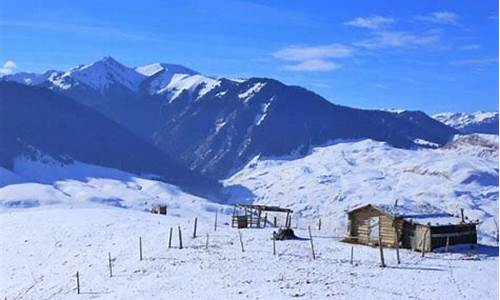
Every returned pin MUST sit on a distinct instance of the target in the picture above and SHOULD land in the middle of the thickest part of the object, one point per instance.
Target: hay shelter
(373, 225)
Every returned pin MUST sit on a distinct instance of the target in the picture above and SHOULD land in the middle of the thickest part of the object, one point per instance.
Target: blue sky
(427, 55)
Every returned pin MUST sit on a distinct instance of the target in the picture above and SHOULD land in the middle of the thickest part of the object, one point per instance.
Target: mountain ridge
(219, 124)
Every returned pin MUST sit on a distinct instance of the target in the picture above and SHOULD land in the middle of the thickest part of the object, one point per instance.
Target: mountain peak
(155, 68)
(105, 72)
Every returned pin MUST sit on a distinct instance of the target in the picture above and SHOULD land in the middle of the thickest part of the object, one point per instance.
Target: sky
(432, 56)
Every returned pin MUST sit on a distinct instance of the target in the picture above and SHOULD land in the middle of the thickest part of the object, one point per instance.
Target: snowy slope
(478, 122)
(50, 183)
(335, 178)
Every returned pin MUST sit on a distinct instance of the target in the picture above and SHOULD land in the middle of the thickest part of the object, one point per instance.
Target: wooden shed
(252, 215)
(372, 225)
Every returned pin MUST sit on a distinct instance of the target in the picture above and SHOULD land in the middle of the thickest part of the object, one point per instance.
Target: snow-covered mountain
(337, 177)
(478, 122)
(219, 124)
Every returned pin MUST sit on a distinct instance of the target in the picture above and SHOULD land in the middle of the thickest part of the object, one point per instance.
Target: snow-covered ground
(58, 219)
(44, 248)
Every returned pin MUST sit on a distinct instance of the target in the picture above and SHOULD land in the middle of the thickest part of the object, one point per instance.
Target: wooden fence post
(352, 255)
(265, 220)
(311, 240)
(319, 224)
(215, 222)
(206, 244)
(447, 242)
(170, 238)
(77, 282)
(194, 230)
(381, 248)
(140, 248)
(180, 237)
(110, 265)
(241, 241)
(275, 222)
(397, 245)
(274, 246)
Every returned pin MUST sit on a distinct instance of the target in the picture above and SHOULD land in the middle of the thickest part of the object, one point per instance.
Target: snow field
(45, 247)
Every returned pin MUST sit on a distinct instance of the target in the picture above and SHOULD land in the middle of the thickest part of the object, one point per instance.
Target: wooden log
(381, 248)
(110, 265)
(352, 255)
(140, 248)
(312, 244)
(78, 283)
(241, 241)
(180, 237)
(194, 229)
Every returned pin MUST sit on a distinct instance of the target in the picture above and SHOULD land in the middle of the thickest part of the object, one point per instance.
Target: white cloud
(318, 65)
(382, 39)
(315, 58)
(374, 22)
(298, 53)
(440, 17)
(476, 61)
(8, 68)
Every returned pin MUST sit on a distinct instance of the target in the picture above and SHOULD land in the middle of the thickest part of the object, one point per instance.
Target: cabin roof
(433, 216)
(264, 207)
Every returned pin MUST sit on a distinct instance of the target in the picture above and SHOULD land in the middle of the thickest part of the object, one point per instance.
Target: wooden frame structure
(251, 216)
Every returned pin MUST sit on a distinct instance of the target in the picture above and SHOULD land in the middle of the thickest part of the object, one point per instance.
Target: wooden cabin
(159, 209)
(372, 225)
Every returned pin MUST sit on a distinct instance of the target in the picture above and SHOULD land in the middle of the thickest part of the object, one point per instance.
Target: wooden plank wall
(360, 223)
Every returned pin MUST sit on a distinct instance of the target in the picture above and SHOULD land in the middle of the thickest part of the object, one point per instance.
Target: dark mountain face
(223, 130)
(34, 117)
(215, 126)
